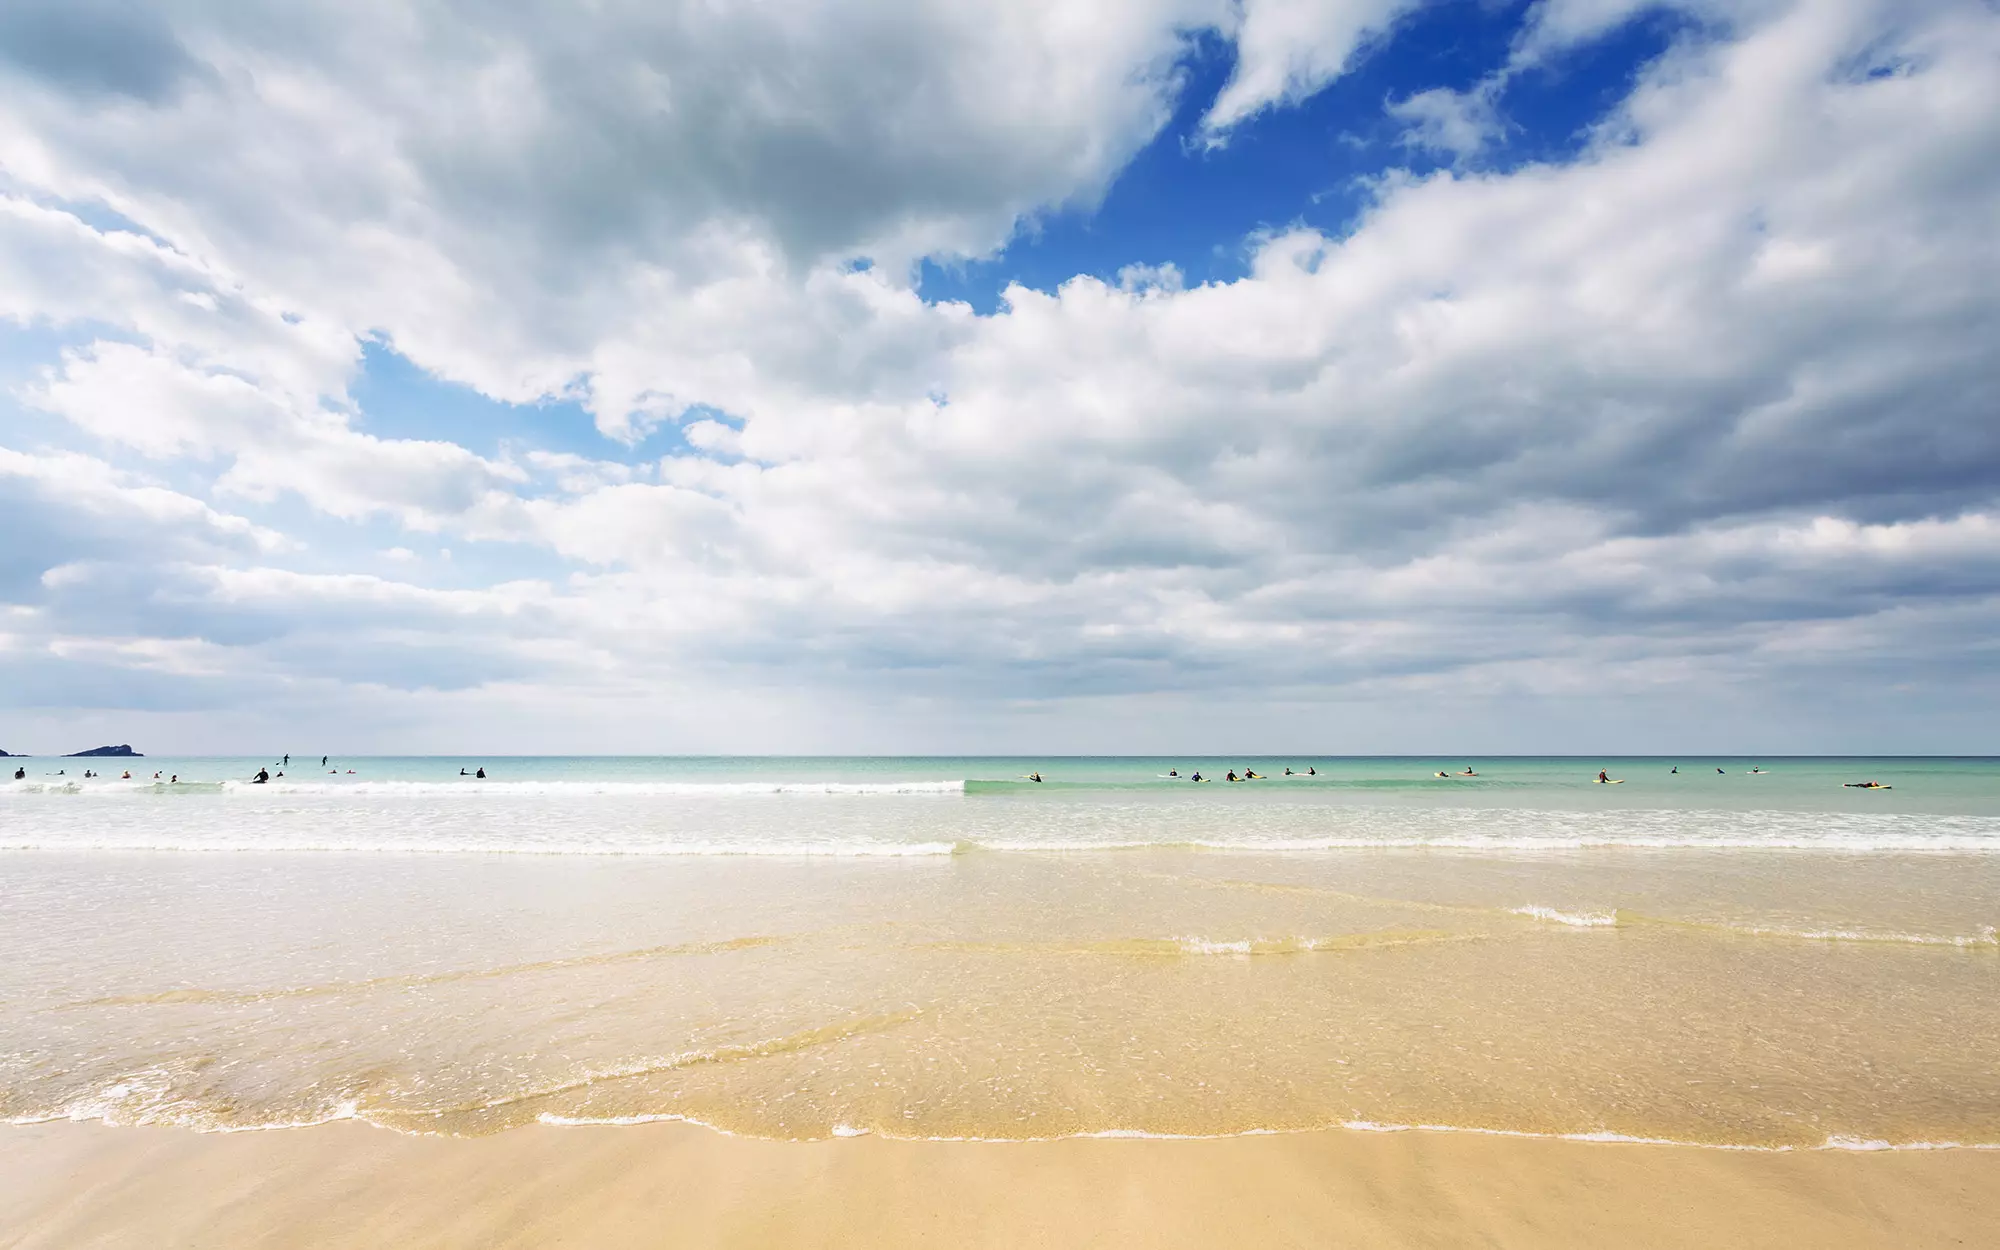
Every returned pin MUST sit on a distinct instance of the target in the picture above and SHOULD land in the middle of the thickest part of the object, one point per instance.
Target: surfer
(287, 761)
(481, 774)
(1232, 776)
(20, 774)
(1197, 776)
(1310, 771)
(1253, 775)
(1288, 770)
(126, 775)
(1602, 775)
(1445, 775)
(1173, 772)
(1468, 772)
(1866, 785)
(1718, 770)
(261, 777)
(463, 773)
(1675, 769)
(322, 761)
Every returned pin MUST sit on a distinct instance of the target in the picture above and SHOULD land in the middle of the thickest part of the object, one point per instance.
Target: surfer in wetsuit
(1251, 774)
(1232, 776)
(481, 774)
(1675, 769)
(1311, 772)
(1197, 776)
(322, 761)
(20, 774)
(261, 777)
(1173, 772)
(1603, 776)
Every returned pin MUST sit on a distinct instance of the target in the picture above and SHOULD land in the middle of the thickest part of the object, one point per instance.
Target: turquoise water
(948, 804)
(1970, 784)
(939, 948)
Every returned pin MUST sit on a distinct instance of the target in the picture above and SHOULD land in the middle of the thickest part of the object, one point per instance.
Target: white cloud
(1286, 50)
(1722, 383)
(1458, 123)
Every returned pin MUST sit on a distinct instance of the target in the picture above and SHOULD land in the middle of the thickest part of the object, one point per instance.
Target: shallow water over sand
(1802, 967)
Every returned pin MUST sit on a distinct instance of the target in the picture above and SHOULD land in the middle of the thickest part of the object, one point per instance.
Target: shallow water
(936, 948)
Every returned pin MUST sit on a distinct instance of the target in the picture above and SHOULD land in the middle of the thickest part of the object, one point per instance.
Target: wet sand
(79, 1185)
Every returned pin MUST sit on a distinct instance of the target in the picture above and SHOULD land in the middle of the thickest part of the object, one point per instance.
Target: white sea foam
(112, 1107)
(454, 846)
(469, 788)
(1574, 919)
(564, 789)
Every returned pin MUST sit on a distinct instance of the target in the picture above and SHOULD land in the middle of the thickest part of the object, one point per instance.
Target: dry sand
(74, 1185)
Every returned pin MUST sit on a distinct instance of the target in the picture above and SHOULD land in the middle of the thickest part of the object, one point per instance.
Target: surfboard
(1615, 781)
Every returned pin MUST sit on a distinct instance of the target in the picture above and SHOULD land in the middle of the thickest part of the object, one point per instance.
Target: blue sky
(1330, 375)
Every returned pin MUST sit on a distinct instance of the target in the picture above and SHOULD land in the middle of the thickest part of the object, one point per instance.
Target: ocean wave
(184, 844)
(1573, 919)
(488, 788)
(1197, 946)
(113, 1108)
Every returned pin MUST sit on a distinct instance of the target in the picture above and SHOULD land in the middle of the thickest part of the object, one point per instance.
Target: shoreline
(69, 1184)
(1836, 1144)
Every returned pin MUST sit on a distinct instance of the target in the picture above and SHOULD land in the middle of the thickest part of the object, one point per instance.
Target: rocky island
(123, 749)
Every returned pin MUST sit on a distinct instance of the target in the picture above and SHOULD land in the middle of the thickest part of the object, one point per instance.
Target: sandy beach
(70, 1186)
(1117, 1014)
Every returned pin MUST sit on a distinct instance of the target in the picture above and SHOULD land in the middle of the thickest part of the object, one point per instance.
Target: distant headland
(122, 749)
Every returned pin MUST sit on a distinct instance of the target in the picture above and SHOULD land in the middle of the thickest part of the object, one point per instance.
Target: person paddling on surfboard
(1602, 775)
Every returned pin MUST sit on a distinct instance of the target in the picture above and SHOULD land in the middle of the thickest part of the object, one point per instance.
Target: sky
(936, 376)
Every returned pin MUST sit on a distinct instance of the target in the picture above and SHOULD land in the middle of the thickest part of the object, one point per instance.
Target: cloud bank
(1709, 406)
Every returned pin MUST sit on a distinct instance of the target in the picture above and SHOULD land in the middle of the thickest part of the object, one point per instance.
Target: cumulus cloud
(1717, 396)
(1457, 123)
(1286, 50)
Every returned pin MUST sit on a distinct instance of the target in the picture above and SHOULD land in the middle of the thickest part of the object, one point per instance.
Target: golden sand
(70, 1186)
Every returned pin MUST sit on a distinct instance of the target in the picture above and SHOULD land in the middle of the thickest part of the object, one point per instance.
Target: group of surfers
(1249, 774)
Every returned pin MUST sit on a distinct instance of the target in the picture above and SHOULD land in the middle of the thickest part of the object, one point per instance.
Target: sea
(1739, 953)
